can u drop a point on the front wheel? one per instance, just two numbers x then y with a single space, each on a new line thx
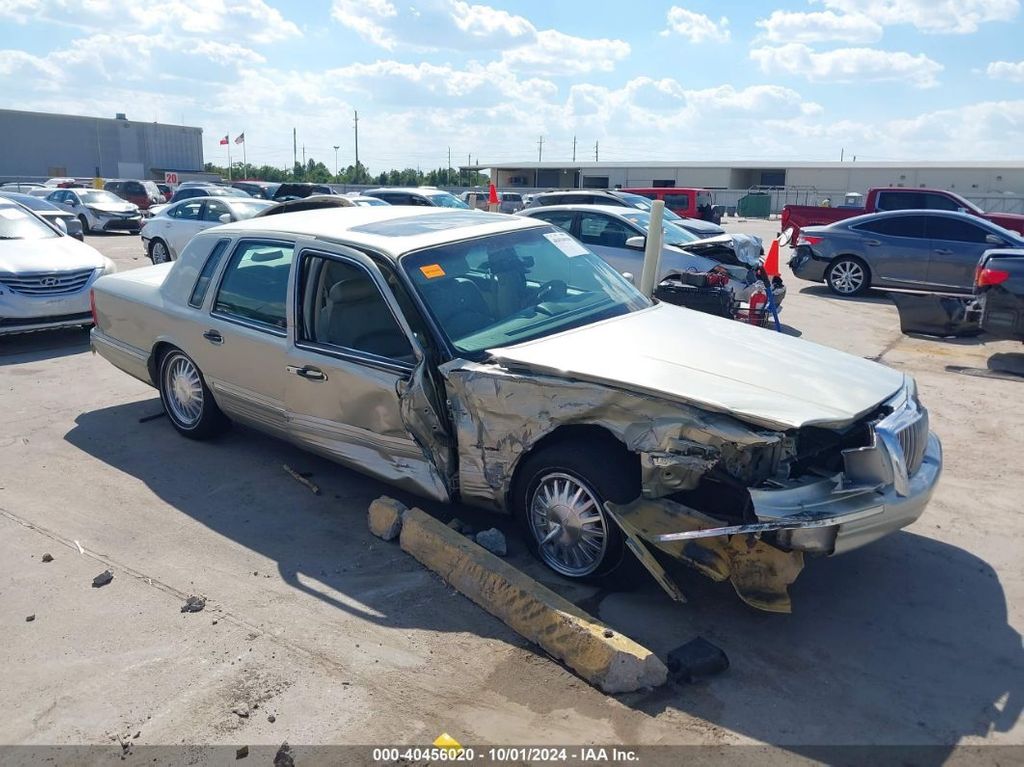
847 276
560 496
85 224
186 399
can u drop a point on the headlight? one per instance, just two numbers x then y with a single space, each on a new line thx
100 213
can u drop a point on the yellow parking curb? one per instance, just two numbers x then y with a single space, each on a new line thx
608 660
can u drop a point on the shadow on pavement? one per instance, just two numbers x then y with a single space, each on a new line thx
905 642
42 345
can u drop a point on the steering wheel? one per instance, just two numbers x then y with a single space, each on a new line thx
557 289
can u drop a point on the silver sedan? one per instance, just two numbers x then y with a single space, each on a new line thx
167 233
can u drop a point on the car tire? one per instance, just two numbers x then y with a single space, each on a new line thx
159 253
848 276
187 400
85 225
570 482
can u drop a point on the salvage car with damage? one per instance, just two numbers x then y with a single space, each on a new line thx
496 361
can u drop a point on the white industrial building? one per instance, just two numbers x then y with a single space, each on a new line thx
797 181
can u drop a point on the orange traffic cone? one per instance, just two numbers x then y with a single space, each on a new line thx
771 263
492 199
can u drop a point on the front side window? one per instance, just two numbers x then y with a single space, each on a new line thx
512 287
955 230
939 202
560 218
255 284
343 309
188 211
214 210
604 231
896 226
899 201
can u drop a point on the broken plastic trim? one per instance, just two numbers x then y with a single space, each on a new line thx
797 521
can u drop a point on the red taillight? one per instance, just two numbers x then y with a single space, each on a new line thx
808 239
988 276
92 306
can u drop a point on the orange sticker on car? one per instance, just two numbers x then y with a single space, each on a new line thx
431 271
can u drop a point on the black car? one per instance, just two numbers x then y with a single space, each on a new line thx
48 212
263 190
617 198
291 191
999 287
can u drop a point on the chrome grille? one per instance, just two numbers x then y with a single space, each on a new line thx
47 284
913 440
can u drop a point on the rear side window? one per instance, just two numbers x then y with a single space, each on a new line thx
560 218
677 201
896 226
899 201
209 269
255 284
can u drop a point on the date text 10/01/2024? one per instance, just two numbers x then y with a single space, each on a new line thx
507 754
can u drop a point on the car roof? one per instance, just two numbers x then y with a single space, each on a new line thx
615 210
884 214
407 189
392 231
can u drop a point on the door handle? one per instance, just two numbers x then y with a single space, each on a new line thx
308 372
213 337
944 252
873 243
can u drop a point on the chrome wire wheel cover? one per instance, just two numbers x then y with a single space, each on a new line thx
160 253
568 524
183 391
847 276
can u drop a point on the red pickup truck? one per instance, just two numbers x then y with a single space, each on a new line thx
796 217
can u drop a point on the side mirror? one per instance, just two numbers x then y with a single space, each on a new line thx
636 243
73 228
62 226
629 276
225 218
994 239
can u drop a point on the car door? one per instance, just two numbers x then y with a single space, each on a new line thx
212 212
181 225
240 341
355 388
606 236
957 244
896 249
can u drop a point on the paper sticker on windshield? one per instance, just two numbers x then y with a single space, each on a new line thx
432 271
566 244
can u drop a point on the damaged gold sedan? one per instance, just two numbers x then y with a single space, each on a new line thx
497 362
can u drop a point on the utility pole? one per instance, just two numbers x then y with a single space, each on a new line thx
295 151
448 169
842 151
574 149
336 148
596 153
303 160
540 149
356 124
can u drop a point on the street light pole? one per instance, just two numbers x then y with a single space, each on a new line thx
336 148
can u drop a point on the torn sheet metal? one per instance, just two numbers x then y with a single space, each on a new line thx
759 572
499 415
644 556
934 315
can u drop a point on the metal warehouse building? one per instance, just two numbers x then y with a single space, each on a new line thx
974 180
40 145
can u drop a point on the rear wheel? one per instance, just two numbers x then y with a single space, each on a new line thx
848 276
560 494
159 252
186 399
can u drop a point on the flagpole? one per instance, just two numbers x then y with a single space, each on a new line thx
229 157
245 163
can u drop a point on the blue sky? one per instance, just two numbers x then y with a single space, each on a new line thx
694 80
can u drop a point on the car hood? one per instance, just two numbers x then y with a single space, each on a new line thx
112 207
735 249
56 254
699 226
756 375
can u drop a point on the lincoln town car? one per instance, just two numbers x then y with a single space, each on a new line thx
495 361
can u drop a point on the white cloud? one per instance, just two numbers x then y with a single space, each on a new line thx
936 16
848 65
796 27
1006 70
696 27
556 53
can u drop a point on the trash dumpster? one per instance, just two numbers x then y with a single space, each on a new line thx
754 205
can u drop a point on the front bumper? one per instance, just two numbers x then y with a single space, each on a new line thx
133 224
10 325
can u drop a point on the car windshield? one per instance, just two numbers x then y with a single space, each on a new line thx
446 200
510 288
93 196
368 201
674 235
18 224
643 203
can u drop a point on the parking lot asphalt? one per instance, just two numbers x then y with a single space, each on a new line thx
342 638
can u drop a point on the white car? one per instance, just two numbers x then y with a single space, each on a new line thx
45 276
167 233
363 201
98 210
